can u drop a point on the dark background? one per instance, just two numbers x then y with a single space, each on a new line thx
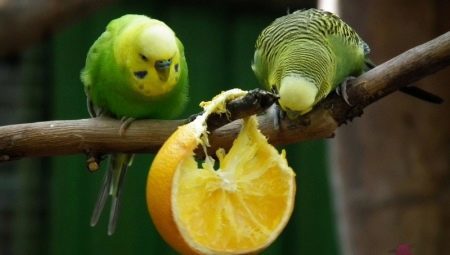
48 201
384 180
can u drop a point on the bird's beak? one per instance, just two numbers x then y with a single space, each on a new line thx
163 69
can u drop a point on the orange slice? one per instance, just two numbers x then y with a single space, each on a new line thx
241 207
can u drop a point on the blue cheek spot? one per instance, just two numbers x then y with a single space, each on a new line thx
140 74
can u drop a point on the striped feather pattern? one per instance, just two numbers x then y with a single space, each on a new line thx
299 44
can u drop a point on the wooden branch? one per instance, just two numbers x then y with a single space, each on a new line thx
101 135
24 22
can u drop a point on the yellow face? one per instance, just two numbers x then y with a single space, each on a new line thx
150 53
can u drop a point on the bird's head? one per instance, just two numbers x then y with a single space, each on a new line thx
153 58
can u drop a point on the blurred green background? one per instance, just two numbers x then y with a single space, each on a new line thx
52 203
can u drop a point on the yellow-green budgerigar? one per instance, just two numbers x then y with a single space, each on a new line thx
136 69
306 54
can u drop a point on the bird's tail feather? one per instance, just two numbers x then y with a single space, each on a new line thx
113 215
421 94
101 200
113 186
411 89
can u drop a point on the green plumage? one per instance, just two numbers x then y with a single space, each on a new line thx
312 47
107 82
136 69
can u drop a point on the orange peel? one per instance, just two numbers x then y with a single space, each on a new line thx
239 208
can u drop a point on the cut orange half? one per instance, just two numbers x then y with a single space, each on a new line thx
239 208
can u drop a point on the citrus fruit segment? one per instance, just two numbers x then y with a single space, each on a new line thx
243 205
237 206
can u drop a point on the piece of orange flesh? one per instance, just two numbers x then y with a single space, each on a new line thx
240 208
174 162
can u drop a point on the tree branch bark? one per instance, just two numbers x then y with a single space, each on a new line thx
101 135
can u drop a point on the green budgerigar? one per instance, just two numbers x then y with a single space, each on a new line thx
305 55
136 69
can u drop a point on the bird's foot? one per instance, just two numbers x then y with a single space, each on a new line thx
341 90
277 115
126 122
95 111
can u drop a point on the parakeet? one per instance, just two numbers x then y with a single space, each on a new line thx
305 55
136 69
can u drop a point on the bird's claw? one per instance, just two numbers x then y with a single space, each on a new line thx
341 90
126 122
276 114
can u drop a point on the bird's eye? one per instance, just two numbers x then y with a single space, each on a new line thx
140 74
176 67
143 57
